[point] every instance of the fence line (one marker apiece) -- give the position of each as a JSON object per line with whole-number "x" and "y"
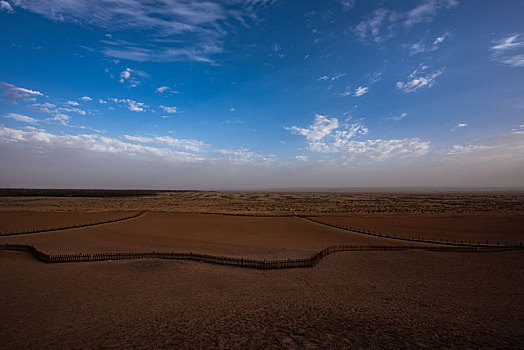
{"x": 240, "y": 262}
{"x": 411, "y": 238}
{"x": 60, "y": 228}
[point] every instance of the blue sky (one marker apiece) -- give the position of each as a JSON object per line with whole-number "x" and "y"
{"x": 257, "y": 93}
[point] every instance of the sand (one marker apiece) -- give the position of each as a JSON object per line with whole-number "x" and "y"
{"x": 407, "y": 299}
{"x": 492, "y": 228}
{"x": 241, "y": 236}
{"x": 398, "y": 300}
{"x": 22, "y": 221}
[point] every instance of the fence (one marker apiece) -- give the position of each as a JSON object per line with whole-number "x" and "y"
{"x": 239, "y": 262}
{"x": 59, "y": 228}
{"x": 411, "y": 238}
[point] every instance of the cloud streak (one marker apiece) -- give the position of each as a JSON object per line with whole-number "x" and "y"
{"x": 418, "y": 80}
{"x": 509, "y": 51}
{"x": 13, "y": 93}
{"x": 179, "y": 30}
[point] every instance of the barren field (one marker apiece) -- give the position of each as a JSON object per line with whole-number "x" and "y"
{"x": 407, "y": 299}
{"x": 468, "y": 228}
{"x": 242, "y": 236}
{"x": 20, "y": 221}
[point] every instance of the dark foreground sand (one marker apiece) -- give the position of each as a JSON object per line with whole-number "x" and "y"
{"x": 409, "y": 299}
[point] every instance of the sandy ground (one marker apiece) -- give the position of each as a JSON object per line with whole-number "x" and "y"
{"x": 397, "y": 300}
{"x": 13, "y": 221}
{"x": 242, "y": 236}
{"x": 492, "y": 228}
{"x": 409, "y": 299}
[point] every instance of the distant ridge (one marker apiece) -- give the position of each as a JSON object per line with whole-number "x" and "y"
{"x": 52, "y": 192}
{"x": 399, "y": 189}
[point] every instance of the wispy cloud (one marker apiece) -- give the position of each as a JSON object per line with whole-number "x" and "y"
{"x": 399, "y": 117}
{"x": 509, "y": 50}
{"x": 361, "y": 90}
{"x": 459, "y": 126}
{"x": 21, "y": 118}
{"x": 190, "y": 145}
{"x": 133, "y": 106}
{"x": 511, "y": 42}
{"x": 302, "y": 158}
{"x": 419, "y": 79}
{"x": 13, "y": 93}
{"x": 507, "y": 147}
{"x": 346, "y": 4}
{"x": 5, "y": 6}
{"x": 427, "y": 10}
{"x": 86, "y": 98}
{"x": 244, "y": 156}
{"x": 331, "y": 77}
{"x": 422, "y": 46}
{"x": 172, "y": 109}
{"x": 383, "y": 22}
{"x": 177, "y": 29}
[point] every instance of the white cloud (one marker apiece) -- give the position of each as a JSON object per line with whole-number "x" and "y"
{"x": 519, "y": 130}
{"x": 169, "y": 109}
{"x": 509, "y": 51}
{"x": 125, "y": 74}
{"x": 102, "y": 101}
{"x": 5, "y": 6}
{"x": 89, "y": 143}
{"x": 86, "y": 98}
{"x": 190, "y": 145}
{"x": 72, "y": 103}
{"x": 21, "y": 118}
{"x": 322, "y": 127}
{"x": 361, "y": 90}
{"x": 328, "y": 136}
{"x": 302, "y": 158}
{"x": 13, "y": 93}
{"x": 416, "y": 81}
{"x": 461, "y": 125}
{"x": 133, "y": 106}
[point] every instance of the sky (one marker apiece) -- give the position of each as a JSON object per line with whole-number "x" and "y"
{"x": 256, "y": 94}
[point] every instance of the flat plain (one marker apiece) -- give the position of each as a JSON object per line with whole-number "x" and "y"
{"x": 414, "y": 298}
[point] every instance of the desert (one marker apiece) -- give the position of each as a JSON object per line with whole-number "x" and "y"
{"x": 415, "y": 297}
